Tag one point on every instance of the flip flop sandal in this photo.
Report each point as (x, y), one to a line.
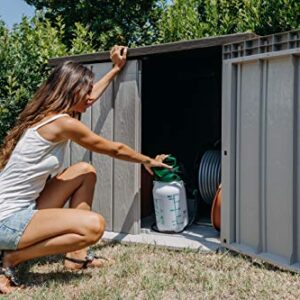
(88, 259)
(9, 272)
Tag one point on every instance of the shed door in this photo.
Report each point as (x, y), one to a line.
(260, 144)
(117, 116)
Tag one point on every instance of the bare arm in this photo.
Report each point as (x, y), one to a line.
(76, 131)
(101, 85)
(118, 56)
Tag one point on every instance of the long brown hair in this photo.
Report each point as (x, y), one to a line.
(68, 84)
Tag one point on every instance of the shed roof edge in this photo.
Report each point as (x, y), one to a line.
(139, 52)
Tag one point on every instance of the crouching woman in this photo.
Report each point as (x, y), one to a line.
(33, 190)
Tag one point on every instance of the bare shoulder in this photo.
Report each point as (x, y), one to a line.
(71, 127)
(68, 122)
(54, 130)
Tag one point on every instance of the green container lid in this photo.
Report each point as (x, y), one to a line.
(167, 175)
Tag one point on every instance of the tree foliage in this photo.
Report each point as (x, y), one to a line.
(188, 19)
(144, 22)
(24, 55)
(75, 27)
(126, 22)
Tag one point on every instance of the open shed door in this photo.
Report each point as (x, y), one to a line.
(117, 117)
(260, 148)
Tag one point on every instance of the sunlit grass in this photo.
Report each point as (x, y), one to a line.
(148, 272)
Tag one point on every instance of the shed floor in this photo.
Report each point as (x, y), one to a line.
(195, 237)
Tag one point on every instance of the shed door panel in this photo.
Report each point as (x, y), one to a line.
(102, 122)
(77, 152)
(280, 156)
(127, 129)
(261, 156)
(248, 153)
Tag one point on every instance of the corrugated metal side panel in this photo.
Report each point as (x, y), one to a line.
(260, 214)
(248, 153)
(228, 152)
(279, 161)
(296, 212)
(263, 44)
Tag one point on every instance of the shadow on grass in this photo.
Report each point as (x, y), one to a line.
(39, 278)
(60, 257)
(32, 279)
(41, 261)
(62, 276)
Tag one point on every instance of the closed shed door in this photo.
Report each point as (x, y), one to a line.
(103, 124)
(116, 116)
(260, 144)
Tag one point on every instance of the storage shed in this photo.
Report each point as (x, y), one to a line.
(183, 97)
(260, 147)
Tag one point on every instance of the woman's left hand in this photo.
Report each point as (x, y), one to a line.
(161, 157)
(118, 55)
(157, 162)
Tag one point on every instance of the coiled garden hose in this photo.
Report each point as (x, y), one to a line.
(209, 175)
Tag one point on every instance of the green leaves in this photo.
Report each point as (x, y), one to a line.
(24, 55)
(128, 22)
(82, 41)
(61, 29)
(190, 19)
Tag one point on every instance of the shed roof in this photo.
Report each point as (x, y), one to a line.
(139, 52)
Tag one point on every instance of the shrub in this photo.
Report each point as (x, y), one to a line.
(190, 19)
(24, 54)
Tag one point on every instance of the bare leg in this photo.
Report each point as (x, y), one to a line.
(54, 231)
(76, 182)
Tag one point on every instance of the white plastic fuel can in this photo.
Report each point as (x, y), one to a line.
(170, 206)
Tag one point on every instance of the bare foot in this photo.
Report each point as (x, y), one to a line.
(97, 262)
(8, 277)
(6, 286)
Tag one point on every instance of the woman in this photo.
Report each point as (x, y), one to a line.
(33, 191)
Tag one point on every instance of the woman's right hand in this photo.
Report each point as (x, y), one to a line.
(157, 162)
(118, 55)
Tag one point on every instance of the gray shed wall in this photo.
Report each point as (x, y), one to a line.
(115, 117)
(260, 146)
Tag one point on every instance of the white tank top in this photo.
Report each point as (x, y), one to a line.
(25, 174)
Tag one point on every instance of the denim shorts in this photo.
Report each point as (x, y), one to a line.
(13, 227)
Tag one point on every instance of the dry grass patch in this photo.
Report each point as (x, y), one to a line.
(148, 272)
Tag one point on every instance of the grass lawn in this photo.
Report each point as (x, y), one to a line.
(149, 272)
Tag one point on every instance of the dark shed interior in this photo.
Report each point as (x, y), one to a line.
(181, 113)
